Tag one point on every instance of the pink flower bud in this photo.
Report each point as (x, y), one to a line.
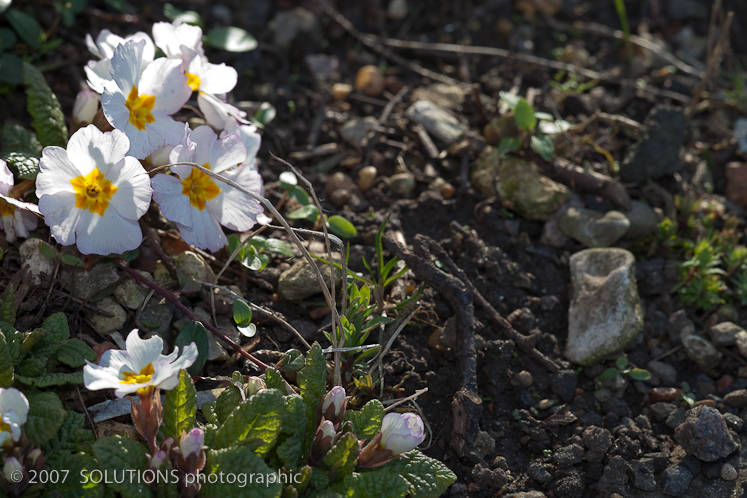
(401, 432)
(333, 404)
(158, 459)
(12, 470)
(253, 385)
(327, 429)
(85, 107)
(192, 442)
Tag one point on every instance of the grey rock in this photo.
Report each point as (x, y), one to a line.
(596, 439)
(675, 480)
(662, 410)
(724, 333)
(676, 418)
(563, 383)
(443, 95)
(643, 474)
(737, 398)
(533, 195)
(539, 472)
(130, 293)
(643, 220)
(569, 455)
(528, 494)
(733, 422)
(701, 351)
(195, 266)
(105, 325)
(664, 371)
(728, 472)
(657, 151)
(615, 478)
(605, 313)
(679, 326)
(440, 124)
(592, 228)
(156, 318)
(40, 266)
(299, 281)
(93, 285)
(704, 434)
(490, 478)
(355, 130)
(402, 183)
(484, 443)
(741, 341)
(603, 395)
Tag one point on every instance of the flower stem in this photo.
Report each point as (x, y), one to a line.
(173, 300)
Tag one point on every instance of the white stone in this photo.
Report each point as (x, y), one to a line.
(440, 124)
(38, 263)
(105, 325)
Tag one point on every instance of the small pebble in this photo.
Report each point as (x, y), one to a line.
(524, 379)
(367, 177)
(705, 402)
(546, 404)
(340, 91)
(728, 472)
(370, 80)
(446, 190)
(664, 394)
(402, 183)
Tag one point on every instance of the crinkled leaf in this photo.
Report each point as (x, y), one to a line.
(24, 166)
(7, 307)
(524, 115)
(342, 227)
(231, 38)
(227, 402)
(13, 341)
(180, 407)
(342, 458)
(544, 146)
(28, 340)
(16, 138)
(6, 363)
(367, 421)
(74, 353)
(242, 313)
(279, 247)
(194, 332)
(46, 416)
(57, 327)
(32, 367)
(208, 411)
(235, 460)
(70, 436)
(121, 454)
(258, 417)
(53, 379)
(274, 380)
(49, 122)
(27, 27)
(312, 381)
(426, 477)
(375, 484)
(74, 485)
(291, 450)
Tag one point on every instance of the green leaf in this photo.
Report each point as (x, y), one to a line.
(248, 331)
(242, 313)
(342, 458)
(232, 39)
(511, 99)
(69, 259)
(27, 27)
(10, 69)
(59, 332)
(6, 363)
(264, 115)
(291, 450)
(52, 379)
(309, 212)
(375, 484)
(342, 227)
(46, 415)
(49, 122)
(208, 411)
(312, 382)
(608, 374)
(239, 461)
(7, 307)
(299, 195)
(46, 250)
(639, 374)
(509, 144)
(121, 454)
(8, 37)
(621, 362)
(544, 146)
(524, 115)
(178, 16)
(180, 407)
(274, 380)
(75, 485)
(288, 180)
(227, 402)
(426, 477)
(32, 367)
(24, 166)
(16, 138)
(278, 246)
(366, 422)
(69, 436)
(74, 353)
(258, 417)
(194, 332)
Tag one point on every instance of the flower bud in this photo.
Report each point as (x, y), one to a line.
(323, 441)
(161, 156)
(192, 442)
(157, 460)
(326, 429)
(35, 459)
(11, 469)
(85, 107)
(253, 385)
(333, 405)
(401, 432)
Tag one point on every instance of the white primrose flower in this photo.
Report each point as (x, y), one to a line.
(249, 137)
(141, 366)
(85, 107)
(198, 203)
(142, 105)
(171, 38)
(17, 215)
(97, 72)
(401, 432)
(217, 111)
(92, 194)
(14, 411)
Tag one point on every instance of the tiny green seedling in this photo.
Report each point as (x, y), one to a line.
(621, 367)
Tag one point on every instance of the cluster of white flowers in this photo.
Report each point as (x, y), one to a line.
(94, 192)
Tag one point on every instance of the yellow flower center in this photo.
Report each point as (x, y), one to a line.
(4, 427)
(141, 107)
(199, 187)
(193, 81)
(142, 378)
(6, 209)
(93, 192)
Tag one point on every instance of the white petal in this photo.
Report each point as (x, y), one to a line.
(227, 153)
(96, 377)
(115, 110)
(19, 224)
(165, 80)
(125, 65)
(204, 137)
(175, 206)
(132, 198)
(99, 77)
(108, 234)
(114, 360)
(149, 50)
(30, 220)
(6, 178)
(56, 171)
(13, 399)
(205, 232)
(216, 111)
(218, 79)
(61, 215)
(25, 206)
(170, 38)
(142, 352)
(91, 45)
(107, 42)
(91, 146)
(165, 376)
(164, 131)
(234, 209)
(248, 135)
(9, 228)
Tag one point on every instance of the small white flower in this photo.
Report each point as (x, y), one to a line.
(217, 111)
(85, 107)
(192, 442)
(141, 366)
(142, 105)
(92, 194)
(198, 203)
(170, 38)
(97, 72)
(14, 411)
(401, 432)
(16, 215)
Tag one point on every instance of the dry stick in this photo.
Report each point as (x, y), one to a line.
(367, 41)
(466, 405)
(523, 342)
(173, 300)
(382, 118)
(714, 61)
